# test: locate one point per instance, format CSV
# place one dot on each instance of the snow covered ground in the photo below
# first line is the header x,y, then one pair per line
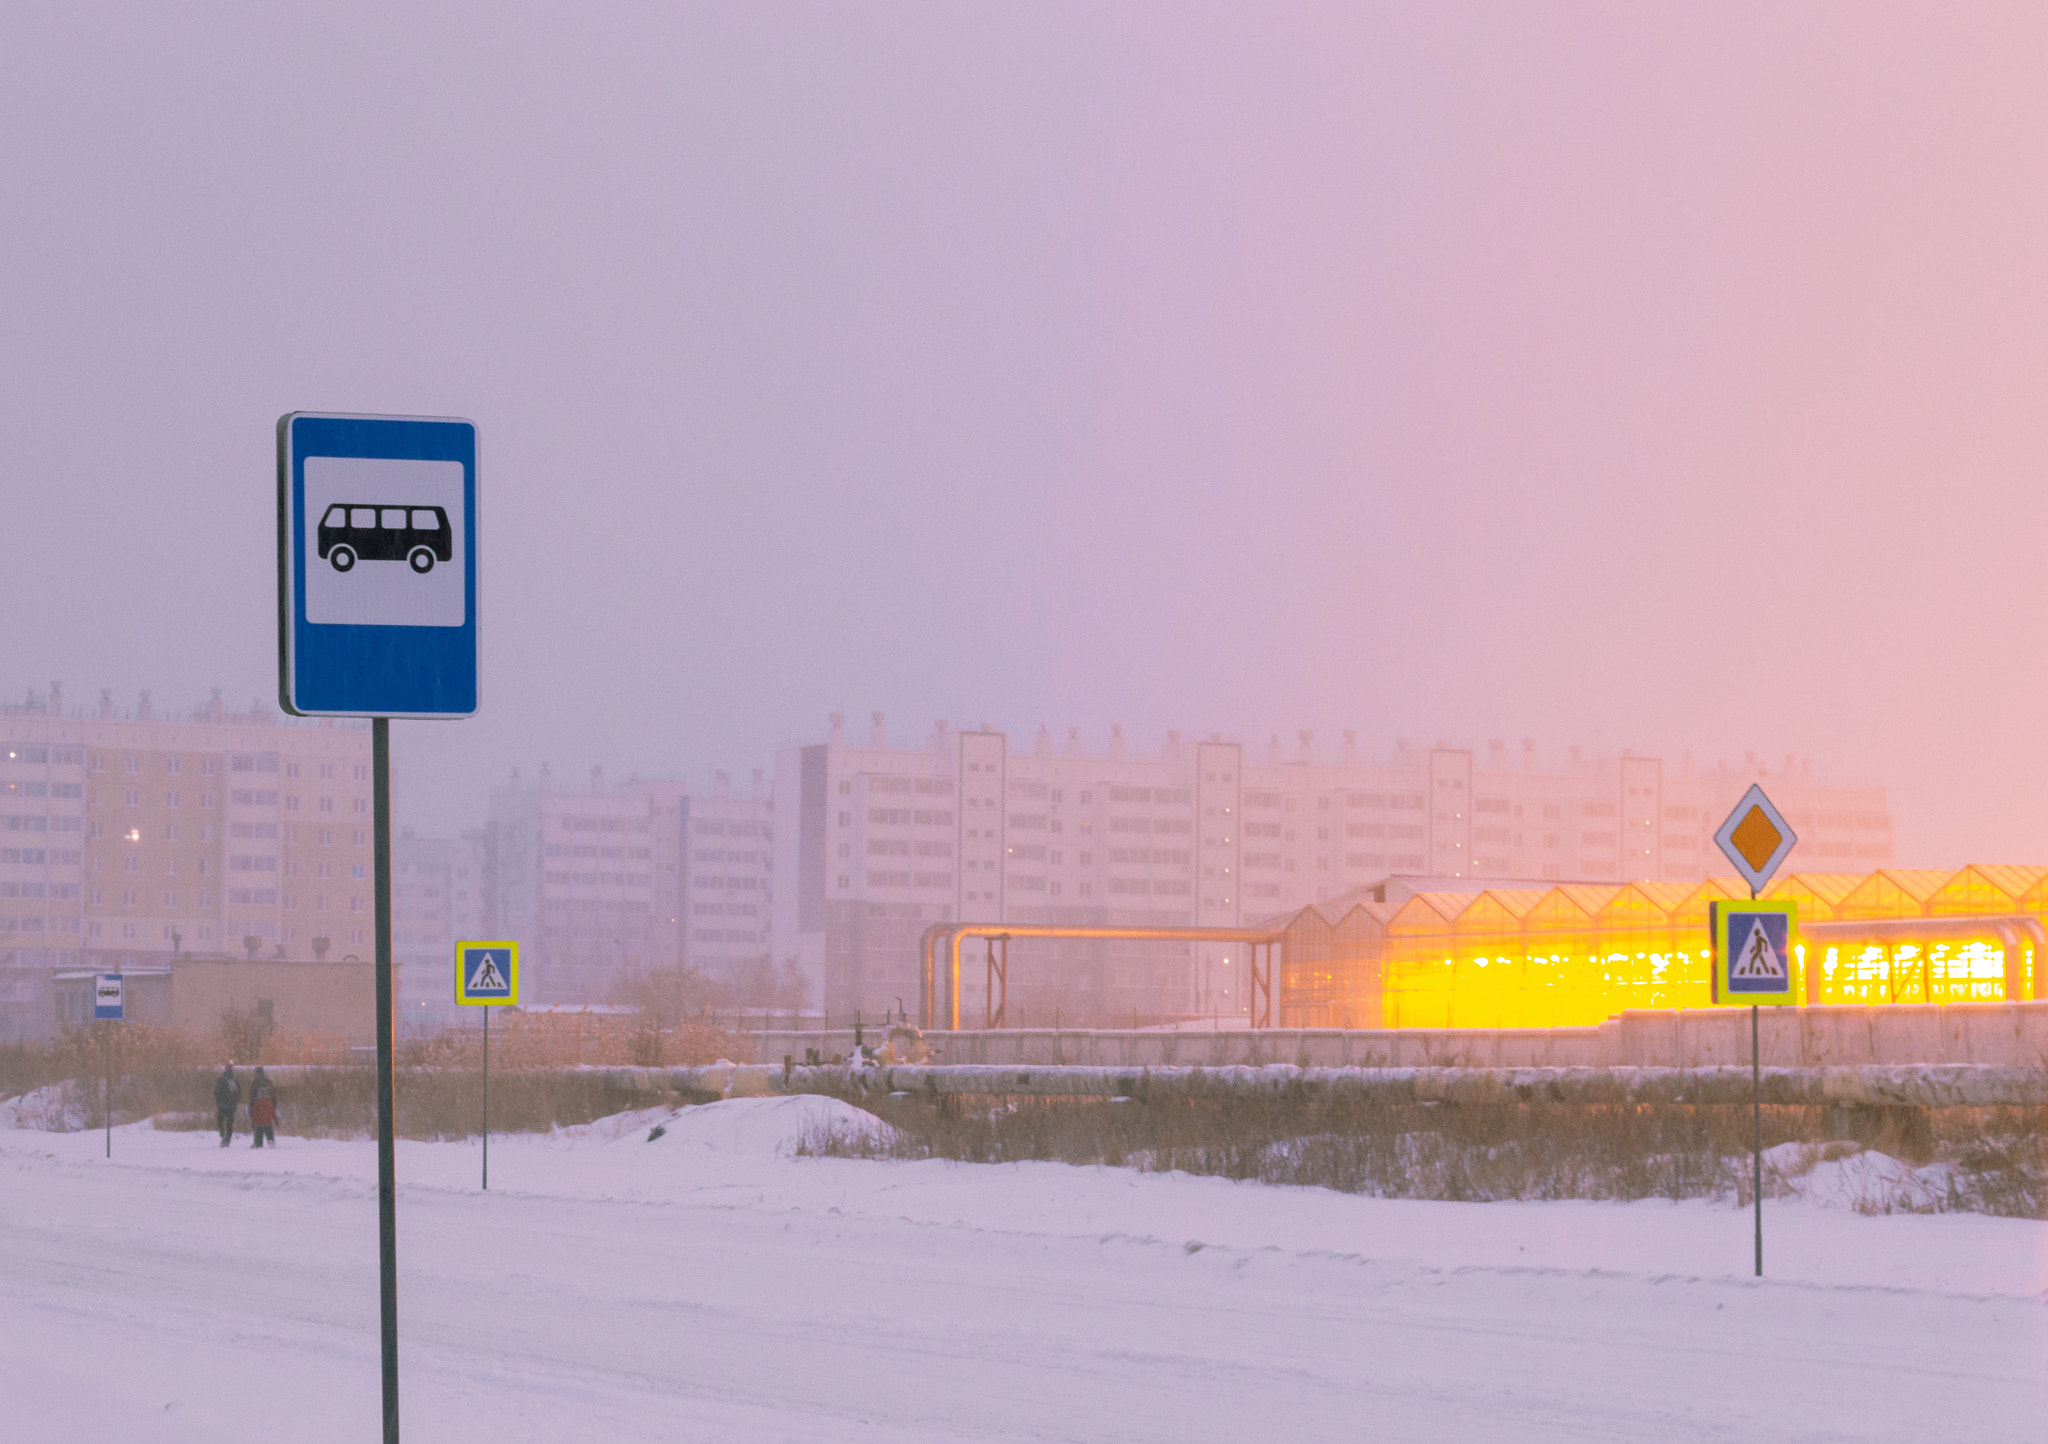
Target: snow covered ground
x,y
706,1285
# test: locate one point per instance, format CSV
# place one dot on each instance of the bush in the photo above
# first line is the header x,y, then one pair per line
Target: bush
x,y
1497,1150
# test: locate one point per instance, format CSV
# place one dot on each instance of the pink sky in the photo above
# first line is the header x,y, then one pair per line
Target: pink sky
x,y
1625,376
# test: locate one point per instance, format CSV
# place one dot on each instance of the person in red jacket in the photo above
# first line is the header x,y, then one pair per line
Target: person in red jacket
x,y
262,1110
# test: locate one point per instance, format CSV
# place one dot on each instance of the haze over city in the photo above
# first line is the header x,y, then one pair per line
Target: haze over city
x,y
1151,722
1655,379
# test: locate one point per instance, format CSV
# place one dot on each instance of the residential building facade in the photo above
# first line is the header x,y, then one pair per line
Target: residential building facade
x,y
728,881
437,898
129,838
876,843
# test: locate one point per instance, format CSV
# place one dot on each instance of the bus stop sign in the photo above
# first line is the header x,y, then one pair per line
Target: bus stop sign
x,y
376,566
109,998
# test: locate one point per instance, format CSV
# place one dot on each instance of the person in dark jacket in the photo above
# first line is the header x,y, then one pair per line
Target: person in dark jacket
x,y
227,1093
262,1111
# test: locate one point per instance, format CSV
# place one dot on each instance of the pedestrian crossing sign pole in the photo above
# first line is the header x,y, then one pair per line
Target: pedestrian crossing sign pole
x,y
487,974
1753,951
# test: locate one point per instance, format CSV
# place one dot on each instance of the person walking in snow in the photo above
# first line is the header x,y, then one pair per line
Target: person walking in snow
x,y
227,1092
262,1111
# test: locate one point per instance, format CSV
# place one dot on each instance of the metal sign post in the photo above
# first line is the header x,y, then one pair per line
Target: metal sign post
x,y
487,974
377,617
109,1005
1753,945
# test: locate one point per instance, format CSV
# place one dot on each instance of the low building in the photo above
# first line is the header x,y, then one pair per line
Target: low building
x,y
334,998
1457,953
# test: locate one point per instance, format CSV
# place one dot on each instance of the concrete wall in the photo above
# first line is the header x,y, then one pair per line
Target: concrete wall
x,y
331,997
2008,1034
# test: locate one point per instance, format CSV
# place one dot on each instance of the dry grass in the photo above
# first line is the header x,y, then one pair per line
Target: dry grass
x,y
1503,1150
167,1073
559,1040
427,1103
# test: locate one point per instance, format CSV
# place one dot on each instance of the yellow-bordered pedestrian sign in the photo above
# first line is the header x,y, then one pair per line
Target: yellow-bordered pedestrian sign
x,y
487,973
1754,959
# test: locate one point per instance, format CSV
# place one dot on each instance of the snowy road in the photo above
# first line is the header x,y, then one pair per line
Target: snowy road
x,y
701,1287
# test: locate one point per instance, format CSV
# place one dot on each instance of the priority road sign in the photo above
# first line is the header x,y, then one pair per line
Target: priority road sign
x,y
1754,946
108,998
376,566
1756,838
487,973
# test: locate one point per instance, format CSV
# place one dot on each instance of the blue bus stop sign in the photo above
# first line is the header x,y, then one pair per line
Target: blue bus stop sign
x,y
108,998
376,566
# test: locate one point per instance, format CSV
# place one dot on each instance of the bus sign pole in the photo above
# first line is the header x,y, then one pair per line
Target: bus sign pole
x,y
377,617
109,1005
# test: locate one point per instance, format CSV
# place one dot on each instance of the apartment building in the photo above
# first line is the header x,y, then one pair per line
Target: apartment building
x,y
728,889
127,838
602,884
875,843
437,898
587,880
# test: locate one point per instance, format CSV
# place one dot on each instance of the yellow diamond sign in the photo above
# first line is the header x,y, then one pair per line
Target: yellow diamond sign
x,y
1756,838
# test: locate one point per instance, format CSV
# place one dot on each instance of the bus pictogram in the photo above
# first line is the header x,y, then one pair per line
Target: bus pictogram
x,y
416,535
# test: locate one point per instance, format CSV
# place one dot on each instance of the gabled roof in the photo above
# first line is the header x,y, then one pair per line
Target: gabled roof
x,y
1693,910
1560,910
1817,893
1591,896
1892,893
1499,910
1634,906
1980,888
1429,912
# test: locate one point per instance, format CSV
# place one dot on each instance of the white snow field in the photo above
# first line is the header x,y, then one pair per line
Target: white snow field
x,y
707,1286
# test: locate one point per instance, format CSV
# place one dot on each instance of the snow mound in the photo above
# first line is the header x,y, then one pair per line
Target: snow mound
x,y
1873,1182
1844,1175
761,1127
57,1108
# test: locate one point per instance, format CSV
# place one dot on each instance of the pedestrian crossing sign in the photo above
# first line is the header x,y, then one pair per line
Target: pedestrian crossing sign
x,y
487,974
1755,950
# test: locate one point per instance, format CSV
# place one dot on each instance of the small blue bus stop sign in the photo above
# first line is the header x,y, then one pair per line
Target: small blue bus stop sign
x,y
108,997
376,566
